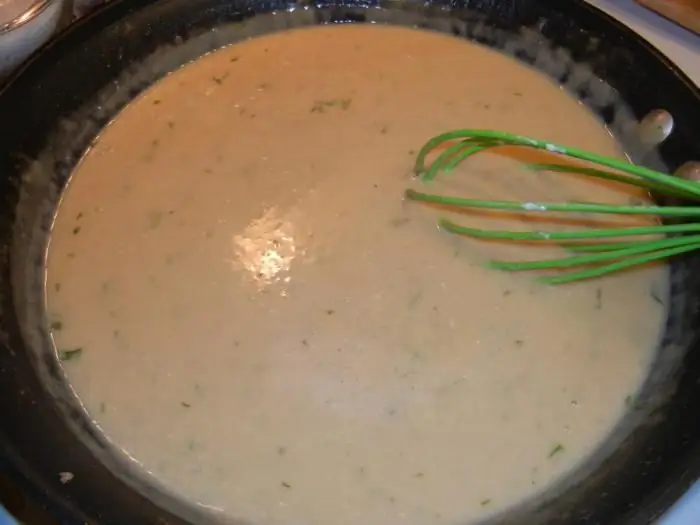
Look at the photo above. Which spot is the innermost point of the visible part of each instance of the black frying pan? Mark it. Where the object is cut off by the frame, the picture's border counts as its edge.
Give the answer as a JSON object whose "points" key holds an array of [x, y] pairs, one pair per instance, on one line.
{"points": [[54, 107]]}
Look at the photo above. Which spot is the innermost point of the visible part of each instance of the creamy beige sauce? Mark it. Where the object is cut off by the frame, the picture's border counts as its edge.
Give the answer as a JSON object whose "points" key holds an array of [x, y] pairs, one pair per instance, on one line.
{"points": [[268, 328]]}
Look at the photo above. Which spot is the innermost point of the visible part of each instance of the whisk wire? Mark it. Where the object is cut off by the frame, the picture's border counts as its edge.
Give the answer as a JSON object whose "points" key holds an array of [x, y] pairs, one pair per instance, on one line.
{"points": [[462, 144]]}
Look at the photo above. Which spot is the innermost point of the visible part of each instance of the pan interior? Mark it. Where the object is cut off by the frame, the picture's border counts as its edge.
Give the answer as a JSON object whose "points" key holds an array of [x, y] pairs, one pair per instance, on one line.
{"points": [[244, 305]]}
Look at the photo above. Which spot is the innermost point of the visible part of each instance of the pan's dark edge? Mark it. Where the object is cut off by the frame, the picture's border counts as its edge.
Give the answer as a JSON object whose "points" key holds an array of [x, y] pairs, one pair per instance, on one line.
{"points": [[93, 54]]}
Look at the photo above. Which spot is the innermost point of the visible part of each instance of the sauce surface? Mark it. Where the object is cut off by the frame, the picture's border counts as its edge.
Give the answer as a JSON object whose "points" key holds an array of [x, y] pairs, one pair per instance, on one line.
{"points": [[248, 308]]}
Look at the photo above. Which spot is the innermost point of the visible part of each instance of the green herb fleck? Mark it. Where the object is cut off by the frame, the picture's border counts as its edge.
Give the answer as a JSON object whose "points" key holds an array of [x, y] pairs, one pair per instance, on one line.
{"points": [[286, 485], [220, 80], [485, 502], [171, 124], [633, 403], [330, 311], [506, 293], [556, 450], [418, 475], [56, 325], [519, 342], [598, 298], [281, 451], [411, 152], [320, 106], [190, 445], [79, 216], [103, 408], [517, 94], [156, 102], [76, 230], [184, 404], [400, 221], [154, 219], [57, 287], [415, 299], [233, 59], [67, 355]]}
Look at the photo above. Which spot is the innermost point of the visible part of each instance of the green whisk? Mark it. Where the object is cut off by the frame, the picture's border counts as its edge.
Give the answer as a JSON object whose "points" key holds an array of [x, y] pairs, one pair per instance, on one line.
{"points": [[589, 259]]}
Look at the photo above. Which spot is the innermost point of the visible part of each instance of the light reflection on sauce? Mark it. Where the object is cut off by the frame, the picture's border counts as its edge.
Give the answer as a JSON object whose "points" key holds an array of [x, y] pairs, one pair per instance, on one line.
{"points": [[267, 248]]}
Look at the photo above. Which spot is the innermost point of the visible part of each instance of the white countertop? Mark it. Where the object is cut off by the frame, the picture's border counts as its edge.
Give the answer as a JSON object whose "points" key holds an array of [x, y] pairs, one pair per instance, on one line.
{"points": [[683, 47], [680, 45]]}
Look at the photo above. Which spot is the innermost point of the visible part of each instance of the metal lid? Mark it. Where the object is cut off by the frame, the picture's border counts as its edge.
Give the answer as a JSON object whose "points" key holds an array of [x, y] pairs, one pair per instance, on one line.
{"points": [[15, 13]]}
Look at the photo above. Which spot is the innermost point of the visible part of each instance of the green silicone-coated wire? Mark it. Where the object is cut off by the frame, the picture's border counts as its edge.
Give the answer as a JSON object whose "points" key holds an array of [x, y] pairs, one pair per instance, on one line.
{"points": [[617, 266], [601, 233], [459, 145], [581, 260], [493, 138], [611, 176]]}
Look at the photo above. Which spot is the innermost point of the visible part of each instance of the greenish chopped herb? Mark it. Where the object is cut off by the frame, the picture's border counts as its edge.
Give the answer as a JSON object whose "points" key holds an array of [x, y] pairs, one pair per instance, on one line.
{"points": [[517, 94], [71, 255], [330, 311], [184, 404], [633, 403], [400, 221], [156, 102], [485, 502], [411, 152], [171, 124], [598, 298], [79, 216], [506, 293], [76, 230], [519, 342], [320, 106], [286, 485], [56, 325], [281, 451], [220, 80], [656, 296], [556, 450], [304, 342], [155, 218], [190, 445], [57, 287], [418, 475], [103, 408], [67, 355], [415, 299]]}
